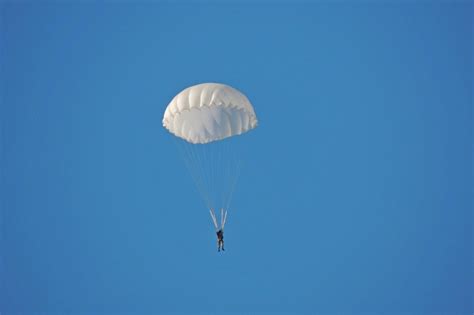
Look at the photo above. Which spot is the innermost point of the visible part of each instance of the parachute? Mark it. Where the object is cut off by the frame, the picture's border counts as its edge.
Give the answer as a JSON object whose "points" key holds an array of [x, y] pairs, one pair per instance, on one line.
{"points": [[205, 119], [209, 112]]}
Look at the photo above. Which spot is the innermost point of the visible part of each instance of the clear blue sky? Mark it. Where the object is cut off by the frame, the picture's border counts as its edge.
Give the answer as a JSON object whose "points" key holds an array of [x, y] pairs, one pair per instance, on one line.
{"points": [[356, 194]]}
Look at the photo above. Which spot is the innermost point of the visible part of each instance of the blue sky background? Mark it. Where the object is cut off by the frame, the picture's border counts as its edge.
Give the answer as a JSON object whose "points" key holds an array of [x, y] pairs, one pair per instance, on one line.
{"points": [[356, 195]]}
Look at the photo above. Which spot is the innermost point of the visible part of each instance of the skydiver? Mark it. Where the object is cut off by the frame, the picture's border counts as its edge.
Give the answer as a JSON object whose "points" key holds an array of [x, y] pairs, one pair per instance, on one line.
{"points": [[219, 231], [220, 240]]}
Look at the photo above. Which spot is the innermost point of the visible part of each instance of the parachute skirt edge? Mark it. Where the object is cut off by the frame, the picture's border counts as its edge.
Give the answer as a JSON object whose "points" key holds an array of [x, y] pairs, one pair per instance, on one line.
{"points": [[209, 123]]}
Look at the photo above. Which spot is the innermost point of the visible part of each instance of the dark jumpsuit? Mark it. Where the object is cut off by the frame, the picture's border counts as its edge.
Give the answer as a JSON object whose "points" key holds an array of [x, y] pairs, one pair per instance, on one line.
{"points": [[220, 239]]}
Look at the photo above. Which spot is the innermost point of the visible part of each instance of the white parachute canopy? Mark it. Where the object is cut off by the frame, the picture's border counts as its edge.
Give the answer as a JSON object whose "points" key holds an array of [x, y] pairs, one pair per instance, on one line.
{"points": [[208, 112], [207, 116]]}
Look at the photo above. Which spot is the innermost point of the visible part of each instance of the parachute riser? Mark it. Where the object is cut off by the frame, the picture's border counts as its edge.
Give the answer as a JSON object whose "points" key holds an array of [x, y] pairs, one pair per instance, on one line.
{"points": [[223, 219]]}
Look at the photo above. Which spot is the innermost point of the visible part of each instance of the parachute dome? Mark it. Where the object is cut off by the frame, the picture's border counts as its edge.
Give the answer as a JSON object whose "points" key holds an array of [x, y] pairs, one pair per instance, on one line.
{"points": [[209, 112]]}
